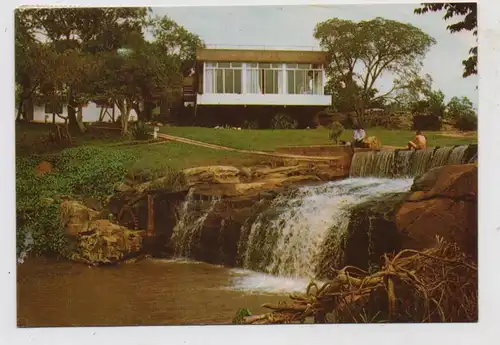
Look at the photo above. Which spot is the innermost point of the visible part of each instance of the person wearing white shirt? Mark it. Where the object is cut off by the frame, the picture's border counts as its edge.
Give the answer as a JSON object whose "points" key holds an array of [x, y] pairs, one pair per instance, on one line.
{"points": [[358, 137]]}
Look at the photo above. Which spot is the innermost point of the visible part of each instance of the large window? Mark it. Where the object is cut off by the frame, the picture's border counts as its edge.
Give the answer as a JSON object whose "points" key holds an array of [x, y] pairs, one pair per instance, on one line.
{"points": [[304, 79], [264, 78], [223, 77]]}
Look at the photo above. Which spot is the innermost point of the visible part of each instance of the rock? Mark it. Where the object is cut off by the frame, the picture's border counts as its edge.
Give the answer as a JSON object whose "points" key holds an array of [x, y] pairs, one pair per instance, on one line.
{"points": [[43, 167], [106, 243], [96, 241], [75, 217], [122, 187], [212, 174], [93, 203], [442, 203], [372, 143]]}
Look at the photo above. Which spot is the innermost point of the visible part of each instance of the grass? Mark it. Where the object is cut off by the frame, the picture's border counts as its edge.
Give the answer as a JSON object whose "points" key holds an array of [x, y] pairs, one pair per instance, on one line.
{"points": [[269, 140]]}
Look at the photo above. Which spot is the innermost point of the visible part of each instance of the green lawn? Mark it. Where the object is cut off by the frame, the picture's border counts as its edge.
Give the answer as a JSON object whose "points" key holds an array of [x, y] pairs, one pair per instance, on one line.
{"points": [[165, 155], [269, 140]]}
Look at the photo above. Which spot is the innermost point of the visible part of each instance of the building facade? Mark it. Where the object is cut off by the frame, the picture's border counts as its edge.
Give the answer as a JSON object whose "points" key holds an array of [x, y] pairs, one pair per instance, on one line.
{"points": [[229, 79]]}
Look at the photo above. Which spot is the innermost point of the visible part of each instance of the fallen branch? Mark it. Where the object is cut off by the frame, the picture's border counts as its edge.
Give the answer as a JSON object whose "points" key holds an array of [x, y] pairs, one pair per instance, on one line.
{"points": [[435, 285]]}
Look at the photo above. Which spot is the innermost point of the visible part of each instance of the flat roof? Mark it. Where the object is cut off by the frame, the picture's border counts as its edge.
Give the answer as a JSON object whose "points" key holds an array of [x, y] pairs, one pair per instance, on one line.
{"points": [[261, 55]]}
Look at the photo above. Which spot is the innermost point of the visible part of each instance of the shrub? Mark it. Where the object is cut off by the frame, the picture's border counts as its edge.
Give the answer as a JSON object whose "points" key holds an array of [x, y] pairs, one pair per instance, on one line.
{"points": [[283, 121], [467, 122], [336, 131], [251, 124], [80, 172]]}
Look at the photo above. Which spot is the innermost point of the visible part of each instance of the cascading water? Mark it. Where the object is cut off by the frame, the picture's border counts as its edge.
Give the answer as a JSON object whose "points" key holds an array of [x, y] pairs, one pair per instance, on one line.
{"points": [[404, 163], [457, 155], [189, 224], [289, 238]]}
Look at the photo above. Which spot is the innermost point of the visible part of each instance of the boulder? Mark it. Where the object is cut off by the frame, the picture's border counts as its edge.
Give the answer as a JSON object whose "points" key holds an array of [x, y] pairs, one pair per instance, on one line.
{"points": [[443, 203], [75, 217], [106, 243], [96, 241]]}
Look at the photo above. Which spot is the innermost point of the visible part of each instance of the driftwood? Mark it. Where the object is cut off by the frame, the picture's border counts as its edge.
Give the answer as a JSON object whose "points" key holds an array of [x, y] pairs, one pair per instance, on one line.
{"points": [[435, 285]]}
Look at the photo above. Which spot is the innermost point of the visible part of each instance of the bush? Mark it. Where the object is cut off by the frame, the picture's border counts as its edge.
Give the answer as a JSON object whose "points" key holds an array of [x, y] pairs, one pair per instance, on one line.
{"points": [[251, 124], [467, 122], [283, 121], [336, 131], [80, 172]]}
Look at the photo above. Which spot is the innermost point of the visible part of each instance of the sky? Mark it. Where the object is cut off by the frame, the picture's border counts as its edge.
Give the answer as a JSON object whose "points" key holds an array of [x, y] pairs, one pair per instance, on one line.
{"points": [[292, 27]]}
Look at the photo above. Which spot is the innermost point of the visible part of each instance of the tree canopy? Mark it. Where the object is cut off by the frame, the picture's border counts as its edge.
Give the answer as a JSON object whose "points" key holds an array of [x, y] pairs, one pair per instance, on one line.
{"points": [[359, 53], [468, 12], [76, 55]]}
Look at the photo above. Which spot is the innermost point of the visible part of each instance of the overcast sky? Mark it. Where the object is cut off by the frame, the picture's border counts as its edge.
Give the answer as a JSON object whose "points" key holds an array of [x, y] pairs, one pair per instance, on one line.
{"points": [[293, 26]]}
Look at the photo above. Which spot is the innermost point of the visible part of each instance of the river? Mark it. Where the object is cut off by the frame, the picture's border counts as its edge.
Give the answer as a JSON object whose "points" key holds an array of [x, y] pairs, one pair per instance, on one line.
{"points": [[51, 292]]}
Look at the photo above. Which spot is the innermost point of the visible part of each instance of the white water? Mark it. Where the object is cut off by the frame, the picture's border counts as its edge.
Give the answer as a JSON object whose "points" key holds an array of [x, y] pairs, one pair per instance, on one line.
{"points": [[188, 225], [302, 221]]}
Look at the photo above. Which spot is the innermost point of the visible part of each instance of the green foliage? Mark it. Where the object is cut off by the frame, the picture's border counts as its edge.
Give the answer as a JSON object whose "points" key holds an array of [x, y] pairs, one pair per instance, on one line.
{"points": [[336, 131], [80, 172], [467, 122], [468, 12], [458, 107], [283, 121], [240, 314], [432, 104], [375, 46]]}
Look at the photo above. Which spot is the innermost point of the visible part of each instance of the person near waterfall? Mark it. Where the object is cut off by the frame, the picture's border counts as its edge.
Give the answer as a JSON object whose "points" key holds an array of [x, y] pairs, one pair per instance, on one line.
{"points": [[358, 137], [419, 143]]}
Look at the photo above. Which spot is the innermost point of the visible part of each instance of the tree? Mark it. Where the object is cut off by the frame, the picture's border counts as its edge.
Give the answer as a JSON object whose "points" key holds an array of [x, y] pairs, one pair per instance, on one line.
{"points": [[458, 107], [468, 10], [146, 69], [81, 33], [359, 54]]}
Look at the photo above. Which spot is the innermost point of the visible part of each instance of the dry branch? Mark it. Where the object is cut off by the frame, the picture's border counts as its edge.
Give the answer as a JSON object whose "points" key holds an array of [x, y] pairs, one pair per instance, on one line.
{"points": [[435, 285]]}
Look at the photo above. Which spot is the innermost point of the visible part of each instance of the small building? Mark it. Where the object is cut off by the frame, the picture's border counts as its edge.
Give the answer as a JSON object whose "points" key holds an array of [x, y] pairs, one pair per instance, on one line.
{"points": [[231, 82], [91, 112]]}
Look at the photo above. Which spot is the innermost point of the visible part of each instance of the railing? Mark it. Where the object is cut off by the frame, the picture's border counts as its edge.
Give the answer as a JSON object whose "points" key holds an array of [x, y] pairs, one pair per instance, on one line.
{"points": [[263, 47]]}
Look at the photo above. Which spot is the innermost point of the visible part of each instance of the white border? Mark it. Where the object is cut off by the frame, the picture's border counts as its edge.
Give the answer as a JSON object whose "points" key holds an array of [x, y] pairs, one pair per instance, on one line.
{"points": [[486, 331]]}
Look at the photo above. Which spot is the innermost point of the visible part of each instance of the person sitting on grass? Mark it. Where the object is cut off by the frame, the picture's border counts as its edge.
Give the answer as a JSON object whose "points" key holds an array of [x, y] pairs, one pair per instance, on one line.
{"points": [[358, 137], [419, 143]]}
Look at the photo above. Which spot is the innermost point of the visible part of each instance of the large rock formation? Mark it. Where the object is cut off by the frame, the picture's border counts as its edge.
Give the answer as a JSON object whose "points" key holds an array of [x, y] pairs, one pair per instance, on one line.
{"points": [[443, 203], [96, 241]]}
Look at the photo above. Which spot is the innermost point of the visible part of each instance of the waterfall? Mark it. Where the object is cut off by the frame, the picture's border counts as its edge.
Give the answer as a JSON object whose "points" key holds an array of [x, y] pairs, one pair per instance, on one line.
{"points": [[189, 224], [457, 155], [289, 238], [404, 163]]}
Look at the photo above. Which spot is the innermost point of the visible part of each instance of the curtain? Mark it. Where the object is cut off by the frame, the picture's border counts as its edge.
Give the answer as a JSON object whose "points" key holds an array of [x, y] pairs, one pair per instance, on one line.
{"points": [[253, 84], [280, 82], [209, 81]]}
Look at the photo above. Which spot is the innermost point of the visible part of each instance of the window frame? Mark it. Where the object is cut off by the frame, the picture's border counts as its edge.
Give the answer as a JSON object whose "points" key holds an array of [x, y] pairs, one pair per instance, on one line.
{"points": [[215, 66]]}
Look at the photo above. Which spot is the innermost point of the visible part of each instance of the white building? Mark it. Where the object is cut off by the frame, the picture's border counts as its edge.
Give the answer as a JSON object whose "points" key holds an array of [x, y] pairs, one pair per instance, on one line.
{"points": [[261, 77], [91, 112]]}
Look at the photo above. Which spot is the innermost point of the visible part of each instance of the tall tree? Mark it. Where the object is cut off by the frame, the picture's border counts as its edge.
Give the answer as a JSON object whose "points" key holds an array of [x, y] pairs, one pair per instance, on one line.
{"points": [[146, 69], [468, 12], [80, 31], [360, 53]]}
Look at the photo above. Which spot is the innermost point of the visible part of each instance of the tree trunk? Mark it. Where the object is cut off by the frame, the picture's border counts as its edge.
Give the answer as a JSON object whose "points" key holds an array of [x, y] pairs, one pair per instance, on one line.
{"points": [[20, 114], [75, 123]]}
